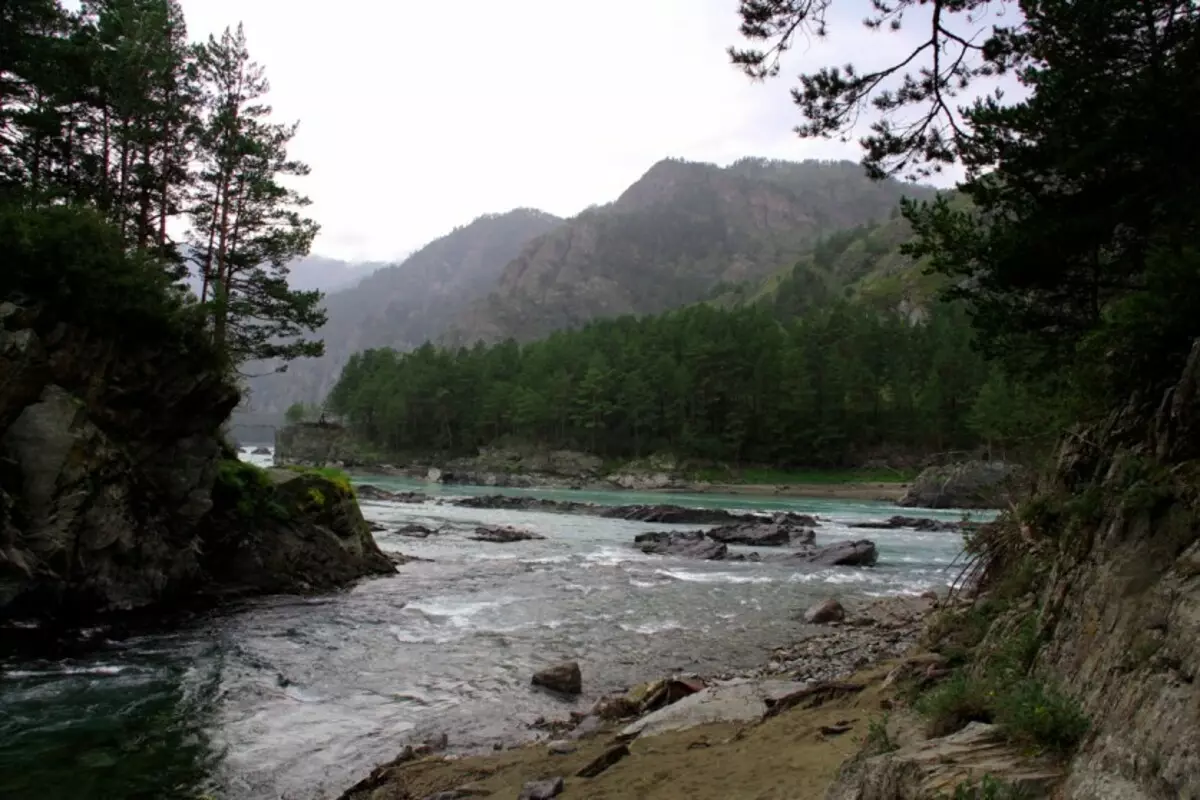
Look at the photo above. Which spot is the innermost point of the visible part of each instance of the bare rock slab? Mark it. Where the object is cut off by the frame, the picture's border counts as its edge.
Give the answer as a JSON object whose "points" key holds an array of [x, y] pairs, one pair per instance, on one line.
{"points": [[744, 701], [541, 790]]}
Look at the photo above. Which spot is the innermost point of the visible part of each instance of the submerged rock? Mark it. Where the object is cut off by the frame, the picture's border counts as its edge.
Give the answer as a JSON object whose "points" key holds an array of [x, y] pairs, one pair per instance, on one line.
{"points": [[564, 678], [414, 531], [861, 553], [914, 523], [503, 535], [688, 544]]}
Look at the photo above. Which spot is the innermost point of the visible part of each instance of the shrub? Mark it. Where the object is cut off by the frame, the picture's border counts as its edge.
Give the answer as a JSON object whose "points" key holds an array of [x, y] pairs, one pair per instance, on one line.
{"points": [[247, 491]]}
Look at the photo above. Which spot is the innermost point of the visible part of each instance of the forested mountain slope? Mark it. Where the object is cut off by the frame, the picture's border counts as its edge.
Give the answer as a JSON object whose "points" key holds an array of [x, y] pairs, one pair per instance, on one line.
{"points": [[403, 305], [672, 237]]}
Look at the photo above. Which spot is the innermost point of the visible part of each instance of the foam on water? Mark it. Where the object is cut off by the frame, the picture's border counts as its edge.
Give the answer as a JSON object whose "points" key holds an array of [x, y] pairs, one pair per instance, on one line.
{"points": [[300, 697]]}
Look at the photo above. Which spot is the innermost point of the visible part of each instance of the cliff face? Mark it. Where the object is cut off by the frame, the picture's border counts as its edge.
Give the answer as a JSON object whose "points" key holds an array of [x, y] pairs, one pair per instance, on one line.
{"points": [[107, 459], [1123, 603], [109, 452], [1108, 557]]}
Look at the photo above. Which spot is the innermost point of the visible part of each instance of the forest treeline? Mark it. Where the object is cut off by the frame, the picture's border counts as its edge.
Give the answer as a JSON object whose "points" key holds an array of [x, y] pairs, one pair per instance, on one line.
{"points": [[115, 128], [829, 388]]}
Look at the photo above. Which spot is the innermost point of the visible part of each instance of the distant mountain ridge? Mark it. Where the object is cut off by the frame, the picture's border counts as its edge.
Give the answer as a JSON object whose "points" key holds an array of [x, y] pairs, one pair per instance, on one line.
{"points": [[674, 237], [403, 305], [682, 229]]}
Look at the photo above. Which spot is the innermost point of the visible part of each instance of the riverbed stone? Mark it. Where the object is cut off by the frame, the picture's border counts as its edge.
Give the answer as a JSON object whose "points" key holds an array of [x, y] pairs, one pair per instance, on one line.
{"points": [[564, 678], [542, 790], [561, 747], [686, 544], [824, 612], [860, 553], [503, 535]]}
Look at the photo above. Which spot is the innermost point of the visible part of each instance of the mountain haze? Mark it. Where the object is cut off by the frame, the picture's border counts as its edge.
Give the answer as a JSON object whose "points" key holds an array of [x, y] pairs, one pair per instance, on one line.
{"points": [[404, 305], [670, 238]]}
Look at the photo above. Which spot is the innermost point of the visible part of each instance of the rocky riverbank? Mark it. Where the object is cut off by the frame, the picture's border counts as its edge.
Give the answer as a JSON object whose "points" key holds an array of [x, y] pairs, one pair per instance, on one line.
{"points": [[655, 738]]}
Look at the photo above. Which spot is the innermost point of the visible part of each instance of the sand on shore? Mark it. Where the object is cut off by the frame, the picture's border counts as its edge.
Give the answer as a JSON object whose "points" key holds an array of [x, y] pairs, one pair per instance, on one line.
{"points": [[882, 491], [791, 756]]}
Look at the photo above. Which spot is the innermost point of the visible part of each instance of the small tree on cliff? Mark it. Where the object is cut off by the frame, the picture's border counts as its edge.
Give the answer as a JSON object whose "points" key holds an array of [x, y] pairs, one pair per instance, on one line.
{"points": [[246, 224]]}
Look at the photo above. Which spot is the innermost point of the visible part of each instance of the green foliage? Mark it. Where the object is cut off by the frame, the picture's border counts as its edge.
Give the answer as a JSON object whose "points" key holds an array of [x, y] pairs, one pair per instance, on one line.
{"points": [[74, 265], [247, 491], [878, 740], [105, 105], [301, 412], [336, 476], [736, 386]]}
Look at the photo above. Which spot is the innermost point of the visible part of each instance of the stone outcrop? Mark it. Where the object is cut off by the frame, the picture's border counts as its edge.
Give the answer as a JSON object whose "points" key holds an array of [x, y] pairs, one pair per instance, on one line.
{"points": [[108, 455], [937, 767], [967, 484], [318, 444], [110, 449], [776, 533], [302, 533]]}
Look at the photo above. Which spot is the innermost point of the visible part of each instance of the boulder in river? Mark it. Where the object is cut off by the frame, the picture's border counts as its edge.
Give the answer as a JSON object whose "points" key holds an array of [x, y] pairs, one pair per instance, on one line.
{"points": [[913, 523], [967, 484], [261, 451], [688, 544], [824, 612], [674, 515], [755, 534], [564, 678], [860, 553], [503, 535]]}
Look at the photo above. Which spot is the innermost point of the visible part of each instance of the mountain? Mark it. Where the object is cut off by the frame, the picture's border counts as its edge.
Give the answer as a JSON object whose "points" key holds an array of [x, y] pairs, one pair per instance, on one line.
{"points": [[328, 274], [403, 305], [679, 232]]}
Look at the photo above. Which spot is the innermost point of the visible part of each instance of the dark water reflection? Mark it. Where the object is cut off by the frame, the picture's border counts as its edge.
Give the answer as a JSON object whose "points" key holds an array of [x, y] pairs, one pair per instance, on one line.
{"points": [[140, 729]]}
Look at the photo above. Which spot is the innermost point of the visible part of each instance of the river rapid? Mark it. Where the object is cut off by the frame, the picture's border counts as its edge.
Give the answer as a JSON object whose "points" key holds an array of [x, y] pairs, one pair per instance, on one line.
{"points": [[299, 697]]}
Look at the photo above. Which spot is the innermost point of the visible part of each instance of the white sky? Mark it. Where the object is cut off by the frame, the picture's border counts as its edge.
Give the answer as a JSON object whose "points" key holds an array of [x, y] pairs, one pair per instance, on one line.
{"points": [[419, 115]]}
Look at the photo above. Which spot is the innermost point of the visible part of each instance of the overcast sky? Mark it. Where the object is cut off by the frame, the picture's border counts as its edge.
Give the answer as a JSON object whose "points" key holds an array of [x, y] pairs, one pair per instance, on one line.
{"points": [[417, 116]]}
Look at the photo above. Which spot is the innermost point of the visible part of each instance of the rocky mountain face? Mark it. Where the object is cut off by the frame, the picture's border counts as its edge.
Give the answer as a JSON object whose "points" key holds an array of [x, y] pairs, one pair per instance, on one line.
{"points": [[118, 493], [403, 305], [680, 231]]}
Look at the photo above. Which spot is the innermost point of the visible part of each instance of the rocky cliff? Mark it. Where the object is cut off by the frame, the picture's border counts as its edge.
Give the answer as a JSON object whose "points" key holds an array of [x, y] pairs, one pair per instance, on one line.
{"points": [[680, 232], [1079, 659], [109, 453]]}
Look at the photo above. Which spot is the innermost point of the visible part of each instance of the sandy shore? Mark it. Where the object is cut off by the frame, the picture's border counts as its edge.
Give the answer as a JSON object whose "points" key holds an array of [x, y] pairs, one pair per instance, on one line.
{"points": [[885, 492], [794, 754]]}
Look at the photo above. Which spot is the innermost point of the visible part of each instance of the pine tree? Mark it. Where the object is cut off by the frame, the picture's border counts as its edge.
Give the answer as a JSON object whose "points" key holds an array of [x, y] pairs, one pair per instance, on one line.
{"points": [[246, 224]]}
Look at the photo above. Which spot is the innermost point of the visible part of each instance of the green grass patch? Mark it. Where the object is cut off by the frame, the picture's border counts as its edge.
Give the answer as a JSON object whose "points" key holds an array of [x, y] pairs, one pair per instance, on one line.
{"points": [[337, 476], [824, 477], [247, 490], [993, 684]]}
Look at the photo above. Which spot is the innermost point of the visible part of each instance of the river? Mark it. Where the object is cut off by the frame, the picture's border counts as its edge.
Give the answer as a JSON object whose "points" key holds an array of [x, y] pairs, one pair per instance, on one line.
{"points": [[299, 697]]}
